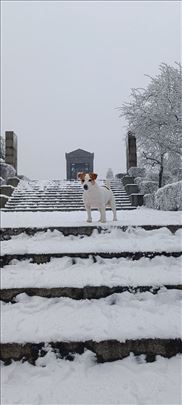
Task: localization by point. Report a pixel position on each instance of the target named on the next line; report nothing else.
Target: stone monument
(78, 160)
(131, 151)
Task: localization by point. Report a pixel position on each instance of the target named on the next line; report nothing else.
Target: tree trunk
(161, 172)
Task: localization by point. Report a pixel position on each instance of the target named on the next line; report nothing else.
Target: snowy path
(120, 316)
(105, 272)
(83, 381)
(140, 216)
(133, 240)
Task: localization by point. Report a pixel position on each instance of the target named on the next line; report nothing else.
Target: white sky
(66, 66)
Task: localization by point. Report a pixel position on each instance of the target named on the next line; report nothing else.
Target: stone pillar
(131, 152)
(11, 149)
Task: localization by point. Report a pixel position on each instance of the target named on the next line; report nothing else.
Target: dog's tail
(108, 183)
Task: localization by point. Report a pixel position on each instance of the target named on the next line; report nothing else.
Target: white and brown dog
(95, 196)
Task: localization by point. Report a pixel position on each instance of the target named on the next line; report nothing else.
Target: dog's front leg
(102, 214)
(89, 217)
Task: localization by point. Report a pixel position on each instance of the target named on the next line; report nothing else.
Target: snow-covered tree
(2, 148)
(154, 115)
(109, 174)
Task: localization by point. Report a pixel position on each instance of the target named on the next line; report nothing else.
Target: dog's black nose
(85, 187)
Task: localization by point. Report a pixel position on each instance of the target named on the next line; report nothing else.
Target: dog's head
(87, 179)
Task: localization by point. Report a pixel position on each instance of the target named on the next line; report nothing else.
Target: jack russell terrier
(95, 196)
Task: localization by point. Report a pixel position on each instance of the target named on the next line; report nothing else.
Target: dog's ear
(93, 176)
(81, 175)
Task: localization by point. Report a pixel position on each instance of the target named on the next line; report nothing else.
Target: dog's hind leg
(113, 207)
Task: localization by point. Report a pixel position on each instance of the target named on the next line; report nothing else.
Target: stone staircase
(113, 292)
(58, 195)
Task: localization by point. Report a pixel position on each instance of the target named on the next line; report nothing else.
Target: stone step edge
(81, 293)
(39, 258)
(105, 351)
(6, 233)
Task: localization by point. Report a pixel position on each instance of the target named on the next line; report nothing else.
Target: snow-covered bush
(169, 197)
(2, 148)
(138, 180)
(136, 172)
(149, 200)
(120, 175)
(7, 170)
(148, 187)
(177, 173)
(2, 181)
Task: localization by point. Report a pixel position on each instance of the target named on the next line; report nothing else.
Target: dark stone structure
(11, 149)
(131, 155)
(78, 161)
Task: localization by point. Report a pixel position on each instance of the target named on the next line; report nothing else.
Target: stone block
(131, 188)
(127, 180)
(3, 200)
(6, 190)
(136, 199)
(13, 181)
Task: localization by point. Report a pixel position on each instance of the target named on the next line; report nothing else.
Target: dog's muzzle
(85, 187)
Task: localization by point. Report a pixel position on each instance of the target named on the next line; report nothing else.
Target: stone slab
(131, 188)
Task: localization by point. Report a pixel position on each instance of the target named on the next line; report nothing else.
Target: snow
(83, 381)
(104, 272)
(139, 216)
(132, 240)
(120, 316)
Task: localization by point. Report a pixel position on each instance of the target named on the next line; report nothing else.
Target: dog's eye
(82, 181)
(90, 179)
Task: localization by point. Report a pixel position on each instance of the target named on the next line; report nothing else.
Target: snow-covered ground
(133, 240)
(61, 272)
(129, 381)
(139, 216)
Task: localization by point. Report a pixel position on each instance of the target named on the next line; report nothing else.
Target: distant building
(78, 161)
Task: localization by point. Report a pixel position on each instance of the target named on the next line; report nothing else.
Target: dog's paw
(89, 220)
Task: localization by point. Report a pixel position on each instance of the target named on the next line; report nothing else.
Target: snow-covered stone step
(87, 229)
(58, 205)
(47, 195)
(105, 351)
(133, 243)
(118, 317)
(46, 257)
(52, 209)
(88, 279)
(132, 240)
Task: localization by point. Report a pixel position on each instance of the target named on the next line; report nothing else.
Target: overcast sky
(66, 66)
